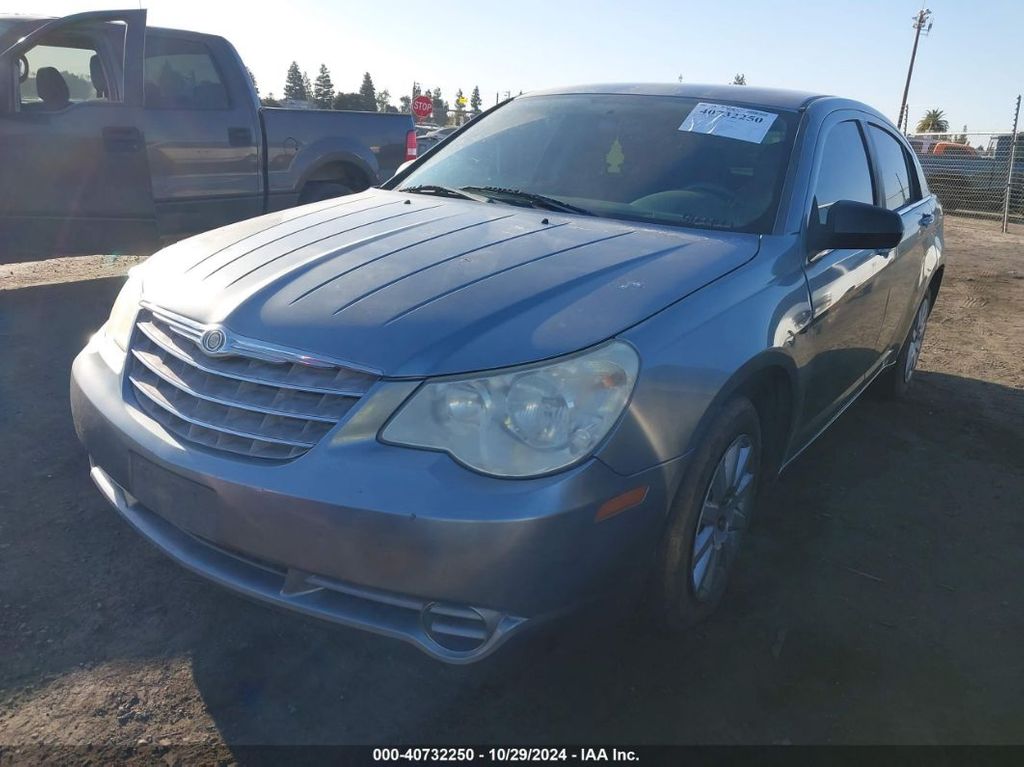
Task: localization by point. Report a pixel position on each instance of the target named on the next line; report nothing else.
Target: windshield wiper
(537, 200)
(443, 191)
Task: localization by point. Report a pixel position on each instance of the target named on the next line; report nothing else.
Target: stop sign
(422, 106)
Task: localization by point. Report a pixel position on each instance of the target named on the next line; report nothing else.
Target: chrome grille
(254, 400)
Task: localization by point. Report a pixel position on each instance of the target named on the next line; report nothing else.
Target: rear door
(902, 193)
(75, 177)
(840, 346)
(202, 133)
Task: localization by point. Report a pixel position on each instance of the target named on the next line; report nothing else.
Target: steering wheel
(22, 68)
(714, 189)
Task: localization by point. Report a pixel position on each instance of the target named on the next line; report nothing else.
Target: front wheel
(709, 516)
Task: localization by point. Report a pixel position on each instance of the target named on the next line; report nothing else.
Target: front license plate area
(182, 502)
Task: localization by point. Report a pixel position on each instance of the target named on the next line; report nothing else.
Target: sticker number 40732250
(729, 122)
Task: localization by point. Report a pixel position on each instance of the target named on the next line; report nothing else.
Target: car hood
(413, 285)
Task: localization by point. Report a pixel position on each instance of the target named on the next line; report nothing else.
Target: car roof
(776, 98)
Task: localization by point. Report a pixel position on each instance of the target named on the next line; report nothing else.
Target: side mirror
(856, 225)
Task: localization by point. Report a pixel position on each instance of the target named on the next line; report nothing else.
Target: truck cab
(121, 137)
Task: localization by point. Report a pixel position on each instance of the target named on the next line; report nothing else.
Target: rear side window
(893, 169)
(181, 74)
(844, 173)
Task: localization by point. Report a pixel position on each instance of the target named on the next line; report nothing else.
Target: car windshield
(640, 158)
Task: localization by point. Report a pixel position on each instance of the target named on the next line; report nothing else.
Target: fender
(305, 163)
(310, 161)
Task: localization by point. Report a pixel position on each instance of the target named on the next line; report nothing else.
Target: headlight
(122, 316)
(525, 421)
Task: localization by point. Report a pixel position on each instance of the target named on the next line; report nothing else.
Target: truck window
(71, 67)
(844, 173)
(894, 169)
(181, 74)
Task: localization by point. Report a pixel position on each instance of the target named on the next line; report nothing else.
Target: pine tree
(475, 101)
(740, 79)
(252, 77)
(440, 107)
(369, 94)
(307, 87)
(323, 89)
(293, 85)
(348, 101)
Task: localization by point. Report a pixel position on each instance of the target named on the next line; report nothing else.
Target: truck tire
(316, 191)
(708, 518)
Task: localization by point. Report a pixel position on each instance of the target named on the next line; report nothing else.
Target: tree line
(322, 93)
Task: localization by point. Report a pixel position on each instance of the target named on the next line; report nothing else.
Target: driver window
(844, 173)
(70, 66)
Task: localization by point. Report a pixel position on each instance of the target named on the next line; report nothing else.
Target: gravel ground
(880, 599)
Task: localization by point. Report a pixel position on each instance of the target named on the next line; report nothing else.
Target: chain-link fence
(975, 174)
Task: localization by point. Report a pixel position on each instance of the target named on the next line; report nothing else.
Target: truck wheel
(322, 190)
(895, 382)
(711, 511)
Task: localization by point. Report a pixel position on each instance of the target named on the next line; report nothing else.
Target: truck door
(74, 166)
(203, 133)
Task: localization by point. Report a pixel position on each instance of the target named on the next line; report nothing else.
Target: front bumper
(400, 542)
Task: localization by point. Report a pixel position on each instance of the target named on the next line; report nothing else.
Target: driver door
(839, 349)
(75, 172)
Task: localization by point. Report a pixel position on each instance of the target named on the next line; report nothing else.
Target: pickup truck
(968, 181)
(118, 137)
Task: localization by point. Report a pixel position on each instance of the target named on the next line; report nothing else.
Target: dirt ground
(880, 599)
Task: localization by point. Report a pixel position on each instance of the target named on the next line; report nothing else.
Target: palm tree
(934, 121)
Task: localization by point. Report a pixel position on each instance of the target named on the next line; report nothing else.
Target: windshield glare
(621, 156)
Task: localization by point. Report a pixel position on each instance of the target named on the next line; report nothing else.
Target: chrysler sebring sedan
(557, 356)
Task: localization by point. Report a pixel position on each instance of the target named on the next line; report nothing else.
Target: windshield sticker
(615, 157)
(729, 122)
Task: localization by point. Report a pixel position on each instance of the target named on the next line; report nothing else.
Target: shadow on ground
(879, 599)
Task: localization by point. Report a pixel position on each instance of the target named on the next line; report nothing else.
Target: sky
(969, 66)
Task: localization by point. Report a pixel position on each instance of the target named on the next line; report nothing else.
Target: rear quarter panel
(301, 141)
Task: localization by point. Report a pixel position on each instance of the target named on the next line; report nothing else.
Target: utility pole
(921, 23)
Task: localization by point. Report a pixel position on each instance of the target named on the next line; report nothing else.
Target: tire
(894, 383)
(689, 582)
(323, 190)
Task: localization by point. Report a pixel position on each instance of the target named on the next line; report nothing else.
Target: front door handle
(927, 219)
(123, 138)
(239, 137)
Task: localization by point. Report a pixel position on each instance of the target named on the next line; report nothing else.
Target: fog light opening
(459, 629)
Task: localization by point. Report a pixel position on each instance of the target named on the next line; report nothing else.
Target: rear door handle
(118, 138)
(239, 137)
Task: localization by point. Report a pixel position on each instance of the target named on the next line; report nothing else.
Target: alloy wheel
(723, 517)
(916, 341)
